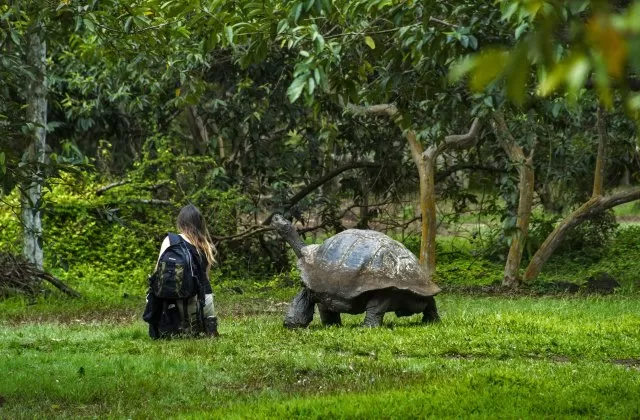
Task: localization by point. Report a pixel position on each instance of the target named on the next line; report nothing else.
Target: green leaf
(295, 12)
(15, 37)
(311, 85)
(370, 42)
(297, 86)
(473, 42)
(283, 25)
(316, 75)
(521, 29)
(211, 41)
(461, 68)
(518, 75)
(552, 80)
(319, 40)
(574, 71)
(578, 6)
(633, 102)
(88, 23)
(577, 73)
(510, 10)
(309, 5)
(229, 32)
(489, 66)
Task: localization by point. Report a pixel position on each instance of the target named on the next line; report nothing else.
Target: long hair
(192, 225)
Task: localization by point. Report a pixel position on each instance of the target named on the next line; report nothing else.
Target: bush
(111, 241)
(588, 239)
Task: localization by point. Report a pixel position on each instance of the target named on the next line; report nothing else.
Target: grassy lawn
(489, 357)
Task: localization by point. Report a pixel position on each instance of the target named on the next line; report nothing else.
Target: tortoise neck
(292, 237)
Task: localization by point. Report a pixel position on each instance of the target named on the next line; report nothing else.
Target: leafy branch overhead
(563, 46)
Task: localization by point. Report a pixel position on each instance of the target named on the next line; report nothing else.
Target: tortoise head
(286, 229)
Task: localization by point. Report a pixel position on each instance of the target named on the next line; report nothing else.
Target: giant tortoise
(357, 271)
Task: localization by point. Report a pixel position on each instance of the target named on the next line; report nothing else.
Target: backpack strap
(174, 238)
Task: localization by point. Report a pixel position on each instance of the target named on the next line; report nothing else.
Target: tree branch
(253, 230)
(389, 110)
(460, 141)
(106, 188)
(153, 201)
(317, 183)
(59, 284)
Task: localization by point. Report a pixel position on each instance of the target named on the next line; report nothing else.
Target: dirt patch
(255, 306)
(498, 290)
(603, 284)
(76, 315)
(631, 363)
(530, 356)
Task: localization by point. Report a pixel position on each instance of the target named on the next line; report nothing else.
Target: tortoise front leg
(329, 317)
(430, 313)
(376, 308)
(300, 312)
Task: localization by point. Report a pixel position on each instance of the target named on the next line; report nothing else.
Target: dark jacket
(200, 264)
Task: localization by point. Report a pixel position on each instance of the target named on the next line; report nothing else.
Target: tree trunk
(595, 205)
(429, 224)
(598, 176)
(427, 203)
(198, 130)
(519, 237)
(526, 187)
(592, 207)
(31, 197)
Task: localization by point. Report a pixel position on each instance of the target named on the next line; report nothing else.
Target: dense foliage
(246, 109)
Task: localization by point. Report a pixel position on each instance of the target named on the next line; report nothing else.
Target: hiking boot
(211, 326)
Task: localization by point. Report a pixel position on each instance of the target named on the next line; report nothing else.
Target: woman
(193, 229)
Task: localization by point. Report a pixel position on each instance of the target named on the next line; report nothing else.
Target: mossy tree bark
(526, 186)
(596, 204)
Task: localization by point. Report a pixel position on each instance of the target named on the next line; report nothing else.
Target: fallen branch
(59, 284)
(18, 276)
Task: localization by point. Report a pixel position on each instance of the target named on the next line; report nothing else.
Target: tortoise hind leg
(430, 313)
(329, 317)
(300, 312)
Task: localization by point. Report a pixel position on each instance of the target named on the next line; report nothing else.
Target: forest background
(495, 140)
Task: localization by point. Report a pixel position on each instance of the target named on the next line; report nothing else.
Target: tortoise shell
(357, 261)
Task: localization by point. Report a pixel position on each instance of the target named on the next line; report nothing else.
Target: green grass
(489, 357)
